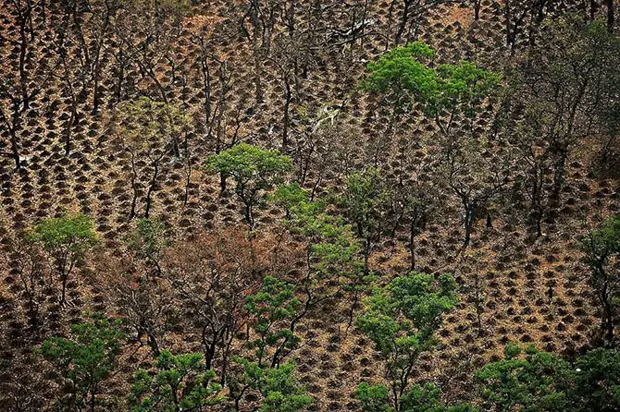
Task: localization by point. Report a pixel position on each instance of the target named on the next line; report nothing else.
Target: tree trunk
(470, 217)
(403, 21)
(287, 103)
(63, 296)
(558, 178)
(15, 148)
(150, 191)
(92, 402)
(134, 187)
(72, 117)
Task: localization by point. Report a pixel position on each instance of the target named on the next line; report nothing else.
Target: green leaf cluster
(280, 390)
(401, 319)
(534, 380)
(405, 76)
(86, 357)
(180, 384)
(69, 235)
(272, 309)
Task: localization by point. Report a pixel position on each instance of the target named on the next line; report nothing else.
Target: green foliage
(272, 309)
(180, 384)
(334, 251)
(148, 240)
(289, 196)
(253, 170)
(65, 240)
(597, 377)
(602, 249)
(404, 76)
(85, 358)
(374, 398)
(401, 75)
(419, 398)
(67, 236)
(603, 243)
(461, 84)
(280, 390)
(401, 319)
(540, 381)
(366, 200)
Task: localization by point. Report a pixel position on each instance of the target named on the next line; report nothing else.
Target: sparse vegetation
(283, 205)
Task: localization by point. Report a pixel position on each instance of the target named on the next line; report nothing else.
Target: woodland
(309, 205)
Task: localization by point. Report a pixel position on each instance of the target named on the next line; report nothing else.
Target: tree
(253, 170)
(213, 274)
(332, 252)
(534, 380)
(374, 398)
(415, 194)
(565, 86)
(33, 275)
(271, 310)
(602, 249)
(148, 242)
(84, 359)
(477, 171)
(427, 397)
(401, 319)
(145, 303)
(539, 381)
(446, 94)
(278, 387)
(65, 240)
(598, 380)
(366, 200)
(21, 80)
(149, 129)
(402, 77)
(179, 384)
(412, 14)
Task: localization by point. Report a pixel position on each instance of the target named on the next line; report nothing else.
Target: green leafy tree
(602, 249)
(539, 381)
(366, 200)
(445, 94)
(278, 387)
(333, 253)
(149, 242)
(402, 77)
(65, 240)
(84, 359)
(427, 398)
(374, 398)
(289, 196)
(597, 376)
(179, 384)
(461, 91)
(253, 170)
(419, 398)
(401, 319)
(272, 310)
